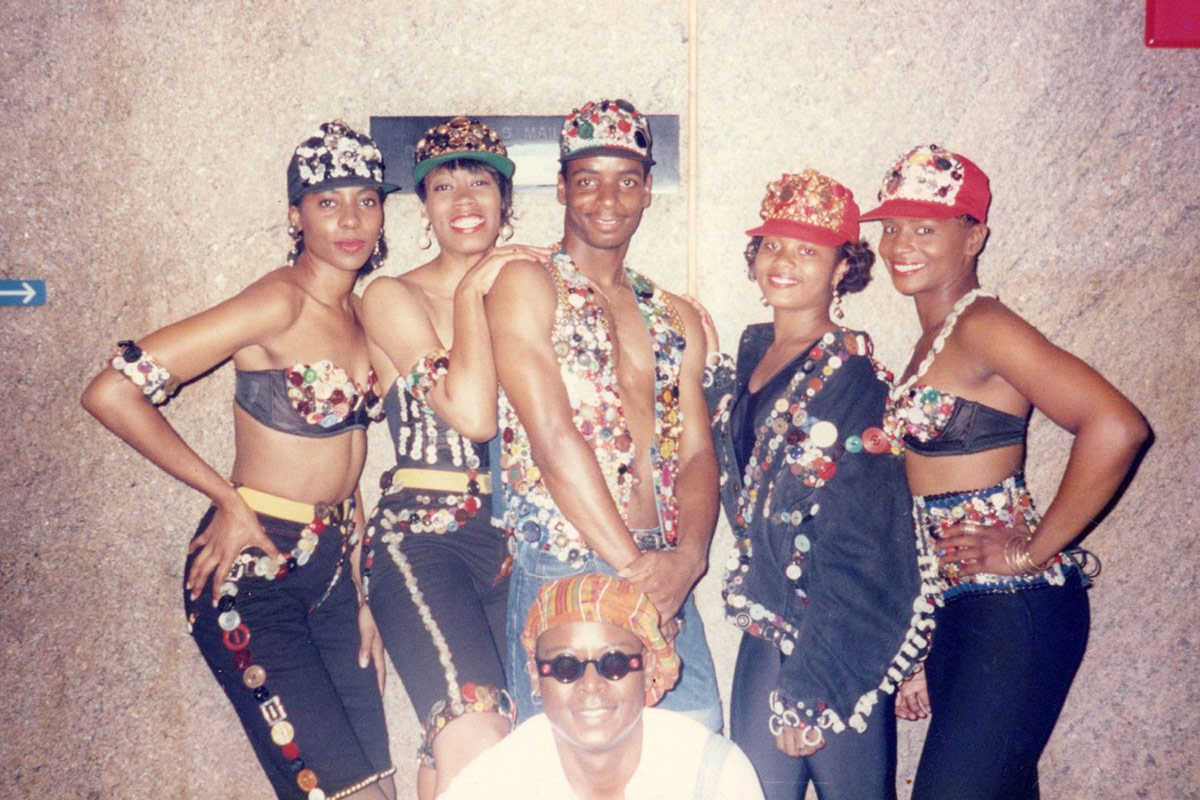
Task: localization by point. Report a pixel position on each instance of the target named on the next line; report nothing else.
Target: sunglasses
(613, 665)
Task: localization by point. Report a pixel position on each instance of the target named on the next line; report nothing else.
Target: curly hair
(858, 256)
(475, 166)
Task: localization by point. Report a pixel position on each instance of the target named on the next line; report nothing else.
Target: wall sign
(532, 144)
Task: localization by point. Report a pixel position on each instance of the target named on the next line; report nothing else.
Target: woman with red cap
(1013, 620)
(283, 628)
(823, 579)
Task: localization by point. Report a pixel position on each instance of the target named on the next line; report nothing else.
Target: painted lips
(467, 223)
(350, 245)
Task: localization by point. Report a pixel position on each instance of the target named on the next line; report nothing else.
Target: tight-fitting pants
(851, 765)
(998, 673)
(439, 601)
(290, 667)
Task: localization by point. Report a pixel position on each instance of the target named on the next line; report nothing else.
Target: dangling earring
(837, 305)
(423, 241)
(764, 302)
(377, 257)
(506, 231)
(751, 274)
(297, 244)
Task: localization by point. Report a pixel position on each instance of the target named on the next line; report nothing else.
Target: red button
(875, 441)
(290, 751)
(238, 638)
(241, 659)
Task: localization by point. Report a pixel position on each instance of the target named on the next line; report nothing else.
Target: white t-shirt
(525, 766)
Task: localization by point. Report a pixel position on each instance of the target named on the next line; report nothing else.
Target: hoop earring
(506, 231)
(763, 301)
(837, 305)
(423, 241)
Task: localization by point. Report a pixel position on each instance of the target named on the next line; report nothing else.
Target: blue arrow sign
(22, 293)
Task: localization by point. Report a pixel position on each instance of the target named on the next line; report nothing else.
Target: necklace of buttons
(924, 410)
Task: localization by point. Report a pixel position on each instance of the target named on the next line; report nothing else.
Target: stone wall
(143, 147)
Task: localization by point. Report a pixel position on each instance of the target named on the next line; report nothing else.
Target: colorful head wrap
(335, 157)
(460, 137)
(595, 597)
(930, 182)
(809, 206)
(606, 128)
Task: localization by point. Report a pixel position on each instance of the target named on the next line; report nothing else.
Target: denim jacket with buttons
(824, 563)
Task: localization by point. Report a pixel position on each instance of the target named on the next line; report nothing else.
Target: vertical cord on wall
(693, 160)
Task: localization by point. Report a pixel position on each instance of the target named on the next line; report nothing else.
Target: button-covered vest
(583, 344)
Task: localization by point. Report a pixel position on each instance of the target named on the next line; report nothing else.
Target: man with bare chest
(607, 462)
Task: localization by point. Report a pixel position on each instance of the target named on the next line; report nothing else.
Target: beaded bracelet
(426, 373)
(144, 370)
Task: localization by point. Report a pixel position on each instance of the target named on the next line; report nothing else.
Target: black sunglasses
(613, 665)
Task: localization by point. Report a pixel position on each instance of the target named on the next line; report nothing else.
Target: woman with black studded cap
(282, 626)
(823, 578)
(438, 582)
(1013, 621)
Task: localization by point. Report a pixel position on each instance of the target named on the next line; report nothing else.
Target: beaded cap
(595, 597)
(809, 206)
(930, 182)
(606, 128)
(335, 157)
(460, 137)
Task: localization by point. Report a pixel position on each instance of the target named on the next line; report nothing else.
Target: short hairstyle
(474, 166)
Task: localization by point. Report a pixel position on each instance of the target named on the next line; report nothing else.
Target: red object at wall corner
(1172, 23)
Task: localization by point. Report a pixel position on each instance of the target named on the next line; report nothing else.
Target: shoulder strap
(712, 761)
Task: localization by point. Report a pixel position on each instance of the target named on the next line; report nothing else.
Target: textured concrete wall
(143, 148)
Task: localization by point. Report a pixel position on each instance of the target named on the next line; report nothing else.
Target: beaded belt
(437, 480)
(294, 510)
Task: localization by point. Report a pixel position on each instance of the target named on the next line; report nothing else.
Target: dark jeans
(312, 679)
(440, 603)
(851, 765)
(999, 672)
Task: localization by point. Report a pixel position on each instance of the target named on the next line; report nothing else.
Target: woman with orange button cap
(823, 578)
(438, 584)
(282, 626)
(1013, 621)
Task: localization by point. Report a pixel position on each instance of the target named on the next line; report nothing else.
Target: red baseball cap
(809, 206)
(930, 182)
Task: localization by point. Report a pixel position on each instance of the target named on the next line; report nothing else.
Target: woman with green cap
(438, 583)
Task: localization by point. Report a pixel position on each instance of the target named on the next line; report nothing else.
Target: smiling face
(926, 254)
(605, 197)
(795, 274)
(340, 226)
(464, 207)
(593, 714)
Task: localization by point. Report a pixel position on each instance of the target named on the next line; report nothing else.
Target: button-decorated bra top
(934, 423)
(930, 422)
(316, 400)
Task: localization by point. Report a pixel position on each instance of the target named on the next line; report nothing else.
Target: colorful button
(254, 677)
(291, 750)
(236, 639)
(875, 441)
(242, 659)
(306, 780)
(282, 732)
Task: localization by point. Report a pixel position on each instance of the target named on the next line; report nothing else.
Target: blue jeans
(694, 695)
(999, 672)
(851, 765)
